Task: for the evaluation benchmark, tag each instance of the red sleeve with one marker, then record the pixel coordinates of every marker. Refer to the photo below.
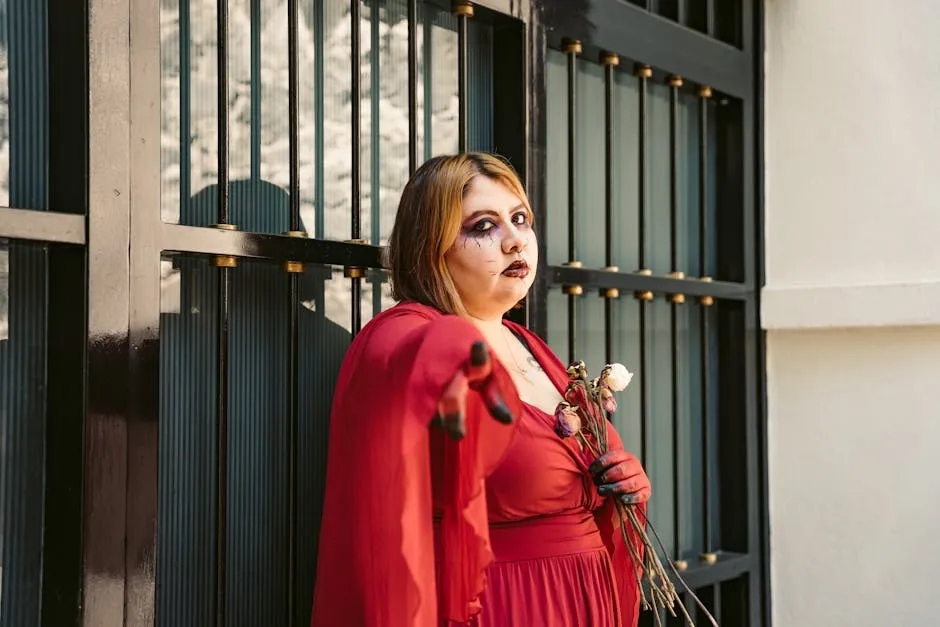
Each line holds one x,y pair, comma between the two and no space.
376,562
628,577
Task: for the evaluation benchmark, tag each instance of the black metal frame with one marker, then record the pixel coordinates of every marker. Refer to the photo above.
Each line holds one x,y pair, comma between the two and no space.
106,239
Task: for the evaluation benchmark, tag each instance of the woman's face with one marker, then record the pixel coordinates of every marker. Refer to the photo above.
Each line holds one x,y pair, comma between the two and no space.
494,259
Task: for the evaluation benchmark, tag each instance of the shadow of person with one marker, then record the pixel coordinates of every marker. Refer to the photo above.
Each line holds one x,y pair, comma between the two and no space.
258,411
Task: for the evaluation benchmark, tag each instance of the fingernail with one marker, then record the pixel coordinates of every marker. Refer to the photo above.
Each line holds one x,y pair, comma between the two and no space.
478,354
501,412
629,499
605,489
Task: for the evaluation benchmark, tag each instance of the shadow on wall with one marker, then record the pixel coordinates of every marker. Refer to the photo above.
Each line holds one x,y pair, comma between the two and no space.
258,423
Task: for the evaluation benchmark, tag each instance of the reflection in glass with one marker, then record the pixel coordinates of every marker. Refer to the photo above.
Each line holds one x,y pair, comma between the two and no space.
24,125
22,430
258,109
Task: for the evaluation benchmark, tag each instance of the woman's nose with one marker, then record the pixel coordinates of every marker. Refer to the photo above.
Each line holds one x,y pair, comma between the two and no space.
514,241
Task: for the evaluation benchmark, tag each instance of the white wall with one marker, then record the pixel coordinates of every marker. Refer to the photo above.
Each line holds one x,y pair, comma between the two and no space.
852,309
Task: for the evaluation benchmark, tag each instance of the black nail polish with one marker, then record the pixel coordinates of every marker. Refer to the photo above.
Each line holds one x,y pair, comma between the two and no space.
501,412
478,354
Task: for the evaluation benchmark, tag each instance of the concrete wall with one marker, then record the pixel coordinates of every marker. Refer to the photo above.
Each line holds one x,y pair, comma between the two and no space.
852,310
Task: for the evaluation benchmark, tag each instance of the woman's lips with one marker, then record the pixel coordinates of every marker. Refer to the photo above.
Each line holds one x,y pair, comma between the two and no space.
517,270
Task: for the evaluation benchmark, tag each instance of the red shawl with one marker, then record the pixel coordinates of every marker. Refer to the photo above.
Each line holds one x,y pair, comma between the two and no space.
376,561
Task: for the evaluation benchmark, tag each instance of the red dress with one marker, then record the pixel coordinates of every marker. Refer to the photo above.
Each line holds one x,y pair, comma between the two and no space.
510,532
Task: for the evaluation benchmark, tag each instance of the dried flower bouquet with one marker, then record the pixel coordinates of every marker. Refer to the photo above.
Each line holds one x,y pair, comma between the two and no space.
583,415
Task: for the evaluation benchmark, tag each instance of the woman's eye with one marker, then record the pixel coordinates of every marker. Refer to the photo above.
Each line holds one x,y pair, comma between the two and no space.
520,218
483,226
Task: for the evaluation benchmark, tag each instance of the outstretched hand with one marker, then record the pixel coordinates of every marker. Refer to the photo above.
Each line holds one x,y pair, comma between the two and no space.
476,374
620,473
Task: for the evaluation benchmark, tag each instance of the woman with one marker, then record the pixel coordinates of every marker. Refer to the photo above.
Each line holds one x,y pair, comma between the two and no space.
498,524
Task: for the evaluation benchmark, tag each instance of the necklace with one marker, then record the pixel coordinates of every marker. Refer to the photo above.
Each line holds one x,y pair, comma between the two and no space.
519,369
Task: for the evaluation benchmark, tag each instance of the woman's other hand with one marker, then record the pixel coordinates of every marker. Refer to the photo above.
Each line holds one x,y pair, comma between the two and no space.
620,473
477,375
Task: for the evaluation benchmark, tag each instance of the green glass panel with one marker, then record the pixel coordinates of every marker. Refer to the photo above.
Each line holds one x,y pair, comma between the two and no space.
24,104
23,310
658,193
589,180
625,336
625,199
555,249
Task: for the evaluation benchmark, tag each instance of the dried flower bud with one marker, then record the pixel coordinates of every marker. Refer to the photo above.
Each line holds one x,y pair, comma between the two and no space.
608,402
576,395
567,421
577,371
617,377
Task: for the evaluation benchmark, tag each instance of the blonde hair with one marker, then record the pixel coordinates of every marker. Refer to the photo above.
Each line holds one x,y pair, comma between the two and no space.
428,222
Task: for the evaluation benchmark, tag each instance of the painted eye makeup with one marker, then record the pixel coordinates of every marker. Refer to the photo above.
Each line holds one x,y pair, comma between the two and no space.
487,225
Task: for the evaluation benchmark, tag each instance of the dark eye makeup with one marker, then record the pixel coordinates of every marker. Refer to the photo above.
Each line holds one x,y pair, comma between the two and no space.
520,218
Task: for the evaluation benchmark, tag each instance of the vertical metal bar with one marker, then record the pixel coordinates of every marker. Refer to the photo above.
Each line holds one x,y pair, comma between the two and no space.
184,108
319,71
572,48
255,90
355,95
704,93
293,303
375,166
643,74
293,124
676,299
225,265
464,11
610,61
412,86
710,25
221,478
716,607
222,106
355,15
428,30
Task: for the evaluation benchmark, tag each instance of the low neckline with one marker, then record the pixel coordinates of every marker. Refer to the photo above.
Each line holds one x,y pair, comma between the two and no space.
547,371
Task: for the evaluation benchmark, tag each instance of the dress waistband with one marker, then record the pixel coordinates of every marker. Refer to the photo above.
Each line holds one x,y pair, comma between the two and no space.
546,536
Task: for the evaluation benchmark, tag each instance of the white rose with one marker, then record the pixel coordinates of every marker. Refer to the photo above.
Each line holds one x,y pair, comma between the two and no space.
618,377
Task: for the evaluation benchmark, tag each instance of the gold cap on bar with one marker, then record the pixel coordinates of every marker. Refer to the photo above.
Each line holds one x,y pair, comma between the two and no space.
610,58
462,7
571,46
674,81
643,71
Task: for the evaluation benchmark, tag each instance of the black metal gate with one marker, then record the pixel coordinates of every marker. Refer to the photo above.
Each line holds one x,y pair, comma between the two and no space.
200,191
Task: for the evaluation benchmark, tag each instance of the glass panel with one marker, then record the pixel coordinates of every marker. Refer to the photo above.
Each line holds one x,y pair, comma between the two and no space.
258,436
24,124
626,350
590,171
258,110
660,466
187,460
23,287
625,199
556,156
657,124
